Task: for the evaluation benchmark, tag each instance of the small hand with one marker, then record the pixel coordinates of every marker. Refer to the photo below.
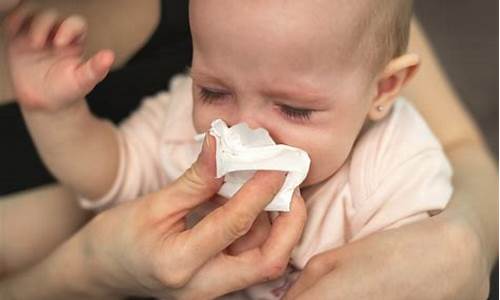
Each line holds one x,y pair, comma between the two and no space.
45,56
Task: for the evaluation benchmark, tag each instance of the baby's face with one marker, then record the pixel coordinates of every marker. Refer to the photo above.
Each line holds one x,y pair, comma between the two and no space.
284,66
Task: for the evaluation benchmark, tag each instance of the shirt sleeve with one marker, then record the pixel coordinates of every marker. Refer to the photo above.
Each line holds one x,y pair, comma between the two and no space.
409,193
399,174
139,169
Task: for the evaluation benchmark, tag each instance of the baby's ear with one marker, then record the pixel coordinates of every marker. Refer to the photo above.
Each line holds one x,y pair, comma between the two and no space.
392,79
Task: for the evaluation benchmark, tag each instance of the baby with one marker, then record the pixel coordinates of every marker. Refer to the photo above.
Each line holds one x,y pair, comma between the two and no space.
323,76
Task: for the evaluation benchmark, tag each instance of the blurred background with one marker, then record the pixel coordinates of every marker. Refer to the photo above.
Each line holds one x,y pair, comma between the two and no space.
465,35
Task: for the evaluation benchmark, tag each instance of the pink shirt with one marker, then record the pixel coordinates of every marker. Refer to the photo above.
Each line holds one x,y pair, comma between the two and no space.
397,173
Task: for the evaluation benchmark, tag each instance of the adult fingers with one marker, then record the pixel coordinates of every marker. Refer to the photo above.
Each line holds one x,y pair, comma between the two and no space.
227,273
316,268
257,235
285,233
224,274
231,221
350,281
196,185
94,70
321,289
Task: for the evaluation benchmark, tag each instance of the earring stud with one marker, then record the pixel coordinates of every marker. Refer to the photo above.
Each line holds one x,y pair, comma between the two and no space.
380,108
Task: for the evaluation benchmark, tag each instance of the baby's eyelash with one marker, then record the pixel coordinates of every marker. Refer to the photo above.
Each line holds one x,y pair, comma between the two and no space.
210,96
300,114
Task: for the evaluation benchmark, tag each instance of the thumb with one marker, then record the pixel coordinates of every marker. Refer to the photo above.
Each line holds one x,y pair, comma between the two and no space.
198,183
91,72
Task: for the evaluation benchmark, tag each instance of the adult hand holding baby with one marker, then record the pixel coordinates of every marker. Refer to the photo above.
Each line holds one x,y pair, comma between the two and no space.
144,247
386,265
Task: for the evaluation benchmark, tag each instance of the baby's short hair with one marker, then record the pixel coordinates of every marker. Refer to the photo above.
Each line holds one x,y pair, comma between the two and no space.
386,30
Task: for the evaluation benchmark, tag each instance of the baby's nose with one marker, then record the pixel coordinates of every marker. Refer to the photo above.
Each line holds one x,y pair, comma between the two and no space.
259,121
251,119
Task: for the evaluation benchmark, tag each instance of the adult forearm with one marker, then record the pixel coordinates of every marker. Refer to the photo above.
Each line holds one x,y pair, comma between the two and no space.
475,197
80,150
50,215
475,180
64,275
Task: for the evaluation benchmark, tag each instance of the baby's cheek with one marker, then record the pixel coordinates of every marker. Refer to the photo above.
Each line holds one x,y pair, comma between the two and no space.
325,162
202,118
317,173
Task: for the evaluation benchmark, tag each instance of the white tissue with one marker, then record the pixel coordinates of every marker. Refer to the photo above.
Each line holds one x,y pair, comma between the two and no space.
241,151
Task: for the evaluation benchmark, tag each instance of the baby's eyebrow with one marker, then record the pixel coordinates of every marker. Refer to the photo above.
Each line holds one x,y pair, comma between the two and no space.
203,76
303,94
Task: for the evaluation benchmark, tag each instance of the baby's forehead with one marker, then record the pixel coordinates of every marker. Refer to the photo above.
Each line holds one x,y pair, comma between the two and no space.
337,26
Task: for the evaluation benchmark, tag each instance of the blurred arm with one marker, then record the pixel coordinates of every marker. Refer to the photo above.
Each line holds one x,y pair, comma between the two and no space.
34,223
475,199
123,26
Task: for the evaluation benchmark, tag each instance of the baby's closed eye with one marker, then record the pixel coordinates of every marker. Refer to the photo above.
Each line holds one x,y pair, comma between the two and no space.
217,96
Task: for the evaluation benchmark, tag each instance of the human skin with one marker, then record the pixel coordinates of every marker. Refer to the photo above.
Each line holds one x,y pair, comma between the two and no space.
51,77
56,114
145,248
471,217
104,21
26,222
63,128
297,79
459,247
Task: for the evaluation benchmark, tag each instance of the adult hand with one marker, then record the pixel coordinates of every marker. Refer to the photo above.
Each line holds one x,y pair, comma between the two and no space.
144,247
433,259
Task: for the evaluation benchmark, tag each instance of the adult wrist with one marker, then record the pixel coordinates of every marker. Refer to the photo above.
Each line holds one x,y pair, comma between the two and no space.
103,272
86,278
81,279
62,275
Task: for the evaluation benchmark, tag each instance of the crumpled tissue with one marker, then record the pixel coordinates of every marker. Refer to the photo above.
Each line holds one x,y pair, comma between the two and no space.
242,151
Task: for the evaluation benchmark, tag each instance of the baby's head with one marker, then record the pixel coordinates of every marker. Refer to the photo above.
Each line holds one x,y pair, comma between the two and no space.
311,72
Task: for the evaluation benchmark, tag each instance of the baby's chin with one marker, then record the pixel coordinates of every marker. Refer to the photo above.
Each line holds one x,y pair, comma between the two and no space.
314,179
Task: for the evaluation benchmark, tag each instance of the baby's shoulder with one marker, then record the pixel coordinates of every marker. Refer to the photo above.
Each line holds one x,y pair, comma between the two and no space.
402,138
403,132
167,104
178,90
